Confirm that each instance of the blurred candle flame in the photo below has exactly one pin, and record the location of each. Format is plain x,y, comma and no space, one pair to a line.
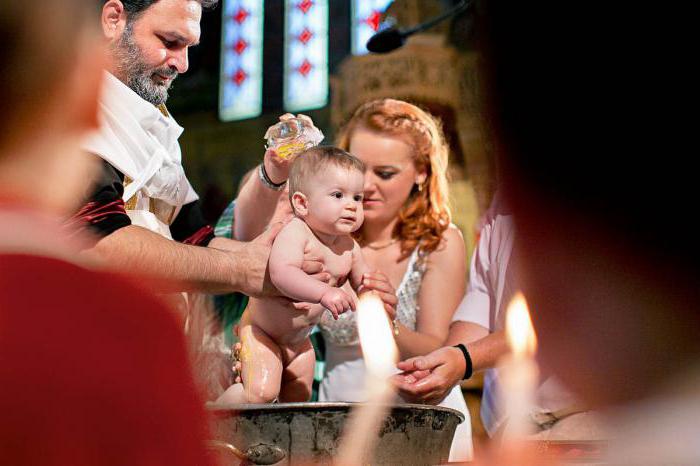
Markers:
376,338
519,330
361,432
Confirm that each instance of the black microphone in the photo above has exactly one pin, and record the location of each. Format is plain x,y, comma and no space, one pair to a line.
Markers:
392,38
387,40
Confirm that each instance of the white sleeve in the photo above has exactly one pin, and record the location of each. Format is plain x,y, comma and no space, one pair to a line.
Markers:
476,304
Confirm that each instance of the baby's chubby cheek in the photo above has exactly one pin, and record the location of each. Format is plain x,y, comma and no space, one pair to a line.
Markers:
360,220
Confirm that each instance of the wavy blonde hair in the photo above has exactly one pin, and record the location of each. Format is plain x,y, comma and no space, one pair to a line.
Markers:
426,214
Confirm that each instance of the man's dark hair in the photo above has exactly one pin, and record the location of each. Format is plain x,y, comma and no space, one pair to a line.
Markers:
135,7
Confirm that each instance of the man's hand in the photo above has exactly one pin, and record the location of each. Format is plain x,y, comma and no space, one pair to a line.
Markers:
255,256
252,264
380,284
313,266
337,301
428,379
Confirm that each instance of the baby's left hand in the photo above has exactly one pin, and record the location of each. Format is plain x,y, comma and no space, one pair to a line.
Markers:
378,282
337,301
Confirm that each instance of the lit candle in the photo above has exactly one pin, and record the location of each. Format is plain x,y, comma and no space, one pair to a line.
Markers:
380,353
518,375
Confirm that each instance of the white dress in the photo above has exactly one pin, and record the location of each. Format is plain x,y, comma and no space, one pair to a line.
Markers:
345,369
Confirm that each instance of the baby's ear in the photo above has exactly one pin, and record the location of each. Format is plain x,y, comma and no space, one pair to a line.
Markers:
300,203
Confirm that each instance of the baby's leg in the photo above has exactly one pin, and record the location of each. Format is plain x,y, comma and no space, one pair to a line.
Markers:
261,365
299,374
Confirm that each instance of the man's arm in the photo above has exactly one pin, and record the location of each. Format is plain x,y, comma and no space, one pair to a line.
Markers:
175,266
223,267
429,379
485,349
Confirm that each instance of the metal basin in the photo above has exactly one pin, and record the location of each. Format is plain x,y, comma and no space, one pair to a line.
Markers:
309,433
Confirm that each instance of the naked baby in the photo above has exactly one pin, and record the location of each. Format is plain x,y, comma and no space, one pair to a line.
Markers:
277,358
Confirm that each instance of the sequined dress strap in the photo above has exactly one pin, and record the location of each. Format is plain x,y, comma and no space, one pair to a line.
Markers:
343,332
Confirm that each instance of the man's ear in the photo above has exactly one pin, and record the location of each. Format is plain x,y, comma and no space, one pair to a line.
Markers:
113,19
300,203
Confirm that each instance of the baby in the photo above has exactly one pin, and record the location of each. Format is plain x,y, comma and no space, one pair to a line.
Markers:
277,358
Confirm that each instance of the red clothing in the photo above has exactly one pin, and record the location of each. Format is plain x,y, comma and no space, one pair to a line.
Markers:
93,371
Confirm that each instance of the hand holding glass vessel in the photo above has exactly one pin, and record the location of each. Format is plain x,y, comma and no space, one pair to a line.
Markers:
292,135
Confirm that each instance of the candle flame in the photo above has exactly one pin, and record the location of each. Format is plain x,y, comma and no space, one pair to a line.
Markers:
519,330
376,339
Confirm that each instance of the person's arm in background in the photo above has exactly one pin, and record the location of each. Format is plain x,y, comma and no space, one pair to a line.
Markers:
256,203
484,348
441,291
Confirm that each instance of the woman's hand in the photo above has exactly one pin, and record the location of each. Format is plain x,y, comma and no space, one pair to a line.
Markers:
379,283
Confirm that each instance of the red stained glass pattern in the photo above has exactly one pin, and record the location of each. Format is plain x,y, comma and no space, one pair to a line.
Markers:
367,16
240,86
240,46
241,15
305,36
305,6
306,54
239,77
374,20
305,68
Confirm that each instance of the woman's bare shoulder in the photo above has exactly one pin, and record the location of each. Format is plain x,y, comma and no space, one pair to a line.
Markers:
451,247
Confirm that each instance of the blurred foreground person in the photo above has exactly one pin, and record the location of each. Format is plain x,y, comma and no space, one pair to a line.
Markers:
601,195
602,192
82,353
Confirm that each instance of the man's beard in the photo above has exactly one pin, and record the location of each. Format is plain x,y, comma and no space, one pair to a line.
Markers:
137,74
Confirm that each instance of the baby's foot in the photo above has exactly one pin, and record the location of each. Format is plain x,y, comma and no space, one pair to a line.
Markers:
235,394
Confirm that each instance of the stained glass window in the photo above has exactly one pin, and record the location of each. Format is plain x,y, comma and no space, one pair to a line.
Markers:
305,54
366,17
240,89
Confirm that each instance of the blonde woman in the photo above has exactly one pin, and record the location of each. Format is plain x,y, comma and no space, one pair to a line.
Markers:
407,235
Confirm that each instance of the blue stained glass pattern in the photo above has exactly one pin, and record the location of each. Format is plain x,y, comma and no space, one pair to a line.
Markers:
366,17
240,80
305,54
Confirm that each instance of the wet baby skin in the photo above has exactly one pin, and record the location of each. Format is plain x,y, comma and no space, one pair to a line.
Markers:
277,358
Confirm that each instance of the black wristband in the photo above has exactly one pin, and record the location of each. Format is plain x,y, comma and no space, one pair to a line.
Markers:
265,178
468,371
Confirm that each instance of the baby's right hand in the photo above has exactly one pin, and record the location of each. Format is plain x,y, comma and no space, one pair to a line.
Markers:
337,301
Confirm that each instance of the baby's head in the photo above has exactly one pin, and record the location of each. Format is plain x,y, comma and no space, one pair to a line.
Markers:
326,186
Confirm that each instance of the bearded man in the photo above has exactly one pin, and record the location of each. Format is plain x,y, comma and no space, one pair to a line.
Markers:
143,199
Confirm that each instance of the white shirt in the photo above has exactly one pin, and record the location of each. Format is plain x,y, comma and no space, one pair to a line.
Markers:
142,143
491,287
